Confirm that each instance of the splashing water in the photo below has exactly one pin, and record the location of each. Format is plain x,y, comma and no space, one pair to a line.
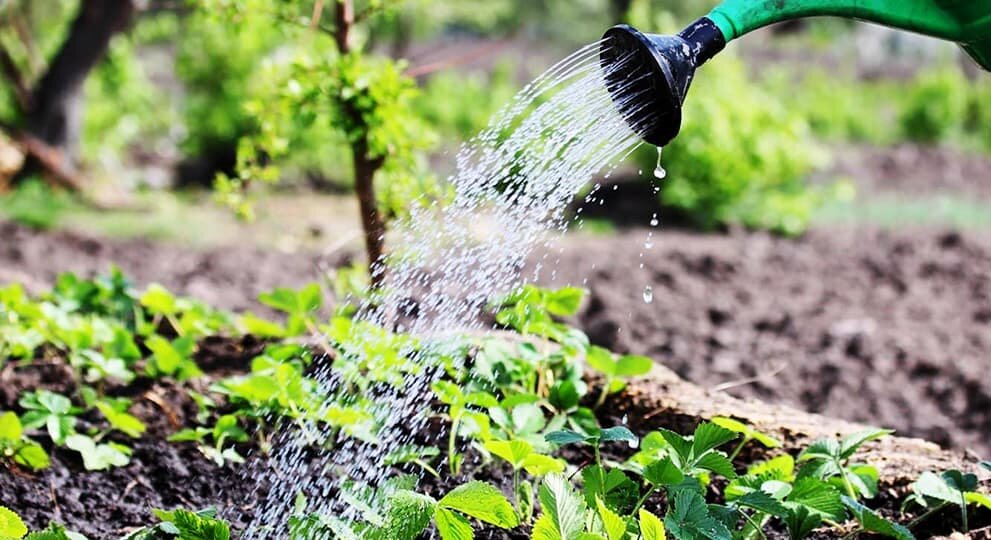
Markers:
510,191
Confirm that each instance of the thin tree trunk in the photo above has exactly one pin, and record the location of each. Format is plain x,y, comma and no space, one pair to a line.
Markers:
53,115
372,221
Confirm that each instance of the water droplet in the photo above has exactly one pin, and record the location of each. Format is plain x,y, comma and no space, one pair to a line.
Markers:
648,294
648,244
659,172
615,187
653,221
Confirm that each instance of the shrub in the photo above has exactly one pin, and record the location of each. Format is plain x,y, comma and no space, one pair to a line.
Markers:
935,106
741,156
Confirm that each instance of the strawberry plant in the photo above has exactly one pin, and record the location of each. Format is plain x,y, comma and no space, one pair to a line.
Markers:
16,447
11,525
225,430
53,411
179,523
748,434
616,369
830,460
934,493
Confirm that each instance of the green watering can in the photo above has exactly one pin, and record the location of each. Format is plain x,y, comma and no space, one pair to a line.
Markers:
649,75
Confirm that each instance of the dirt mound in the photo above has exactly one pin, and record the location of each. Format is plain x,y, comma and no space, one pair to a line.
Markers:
882,328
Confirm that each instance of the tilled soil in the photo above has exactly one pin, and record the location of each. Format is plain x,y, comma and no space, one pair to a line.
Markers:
890,329
887,328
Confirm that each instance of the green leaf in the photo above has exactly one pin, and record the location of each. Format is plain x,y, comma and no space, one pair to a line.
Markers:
564,437
821,449
959,481
252,324
541,465
10,427
98,457
202,525
663,472
651,527
762,502
871,521
747,431
121,421
780,468
616,434
54,531
709,436
481,501
718,463
563,510
514,452
681,445
33,456
613,524
818,496
159,301
11,525
407,515
801,521
613,486
850,443
601,360
565,301
973,497
452,526
633,366
689,517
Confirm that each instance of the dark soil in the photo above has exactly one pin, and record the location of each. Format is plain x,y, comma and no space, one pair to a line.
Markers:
104,505
890,329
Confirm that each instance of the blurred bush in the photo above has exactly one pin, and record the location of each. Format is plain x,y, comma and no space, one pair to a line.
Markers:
935,105
741,156
458,105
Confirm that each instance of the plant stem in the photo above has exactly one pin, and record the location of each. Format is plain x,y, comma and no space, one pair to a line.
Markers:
846,482
605,392
451,443
643,499
736,451
928,514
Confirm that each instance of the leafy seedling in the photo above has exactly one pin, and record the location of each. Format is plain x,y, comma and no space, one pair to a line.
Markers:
829,459
748,433
225,430
949,488
690,517
459,412
183,524
531,311
301,307
115,411
172,358
566,515
872,522
616,369
97,456
54,411
698,454
521,456
15,446
11,525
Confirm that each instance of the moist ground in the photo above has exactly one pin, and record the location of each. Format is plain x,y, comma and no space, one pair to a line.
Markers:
887,328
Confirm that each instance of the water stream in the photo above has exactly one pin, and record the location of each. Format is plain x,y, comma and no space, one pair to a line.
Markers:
450,259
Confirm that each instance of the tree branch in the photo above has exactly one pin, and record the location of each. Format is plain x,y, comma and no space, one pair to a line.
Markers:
345,20
16,78
50,159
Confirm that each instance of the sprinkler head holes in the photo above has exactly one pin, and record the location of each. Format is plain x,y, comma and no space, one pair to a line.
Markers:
648,75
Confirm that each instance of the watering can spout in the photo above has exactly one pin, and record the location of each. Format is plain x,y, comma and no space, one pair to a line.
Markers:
648,75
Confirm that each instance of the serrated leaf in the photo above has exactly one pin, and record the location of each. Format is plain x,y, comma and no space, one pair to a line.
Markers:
563,509
121,421
663,472
452,526
545,529
821,449
709,436
871,521
681,445
851,443
747,431
11,525
651,527
514,452
601,360
481,501
819,497
762,502
717,463
689,517
612,523
801,521
407,515
781,468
